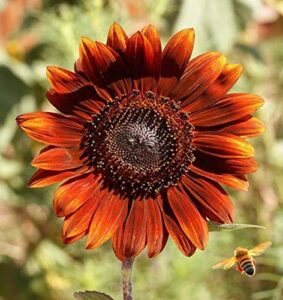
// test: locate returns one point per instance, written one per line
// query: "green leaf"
(214, 226)
(12, 90)
(91, 295)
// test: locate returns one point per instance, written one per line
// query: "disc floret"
(141, 143)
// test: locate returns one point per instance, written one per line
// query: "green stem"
(126, 279)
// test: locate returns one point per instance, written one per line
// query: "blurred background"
(34, 264)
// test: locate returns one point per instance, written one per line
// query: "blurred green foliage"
(34, 264)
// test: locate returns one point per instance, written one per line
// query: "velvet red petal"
(72, 194)
(51, 128)
(246, 128)
(234, 181)
(153, 37)
(225, 81)
(58, 159)
(190, 220)
(175, 58)
(154, 228)
(75, 238)
(224, 145)
(130, 239)
(78, 223)
(104, 66)
(109, 216)
(79, 68)
(229, 108)
(213, 200)
(141, 58)
(236, 166)
(175, 231)
(42, 178)
(117, 38)
(64, 81)
(200, 73)
(82, 103)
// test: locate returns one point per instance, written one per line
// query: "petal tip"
(240, 68)
(89, 245)
(187, 31)
(115, 23)
(138, 35)
(191, 31)
(32, 184)
(85, 42)
(34, 162)
(19, 120)
(203, 243)
(50, 68)
(150, 27)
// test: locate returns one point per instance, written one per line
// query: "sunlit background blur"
(34, 264)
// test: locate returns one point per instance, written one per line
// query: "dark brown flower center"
(141, 144)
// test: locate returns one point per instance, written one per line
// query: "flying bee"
(244, 259)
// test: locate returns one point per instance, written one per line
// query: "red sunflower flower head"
(143, 142)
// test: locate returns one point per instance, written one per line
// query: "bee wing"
(260, 248)
(225, 263)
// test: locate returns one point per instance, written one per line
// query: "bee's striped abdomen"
(247, 265)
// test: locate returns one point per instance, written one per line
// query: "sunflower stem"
(126, 278)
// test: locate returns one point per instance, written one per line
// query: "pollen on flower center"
(141, 143)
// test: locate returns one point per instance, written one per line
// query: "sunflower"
(144, 141)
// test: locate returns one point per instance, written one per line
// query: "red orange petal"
(75, 238)
(130, 239)
(200, 73)
(213, 200)
(233, 181)
(42, 178)
(117, 38)
(236, 166)
(225, 81)
(175, 58)
(175, 231)
(154, 228)
(110, 215)
(153, 37)
(64, 81)
(79, 68)
(229, 108)
(58, 159)
(246, 128)
(82, 103)
(189, 218)
(51, 128)
(104, 66)
(72, 194)
(141, 58)
(223, 145)
(78, 223)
